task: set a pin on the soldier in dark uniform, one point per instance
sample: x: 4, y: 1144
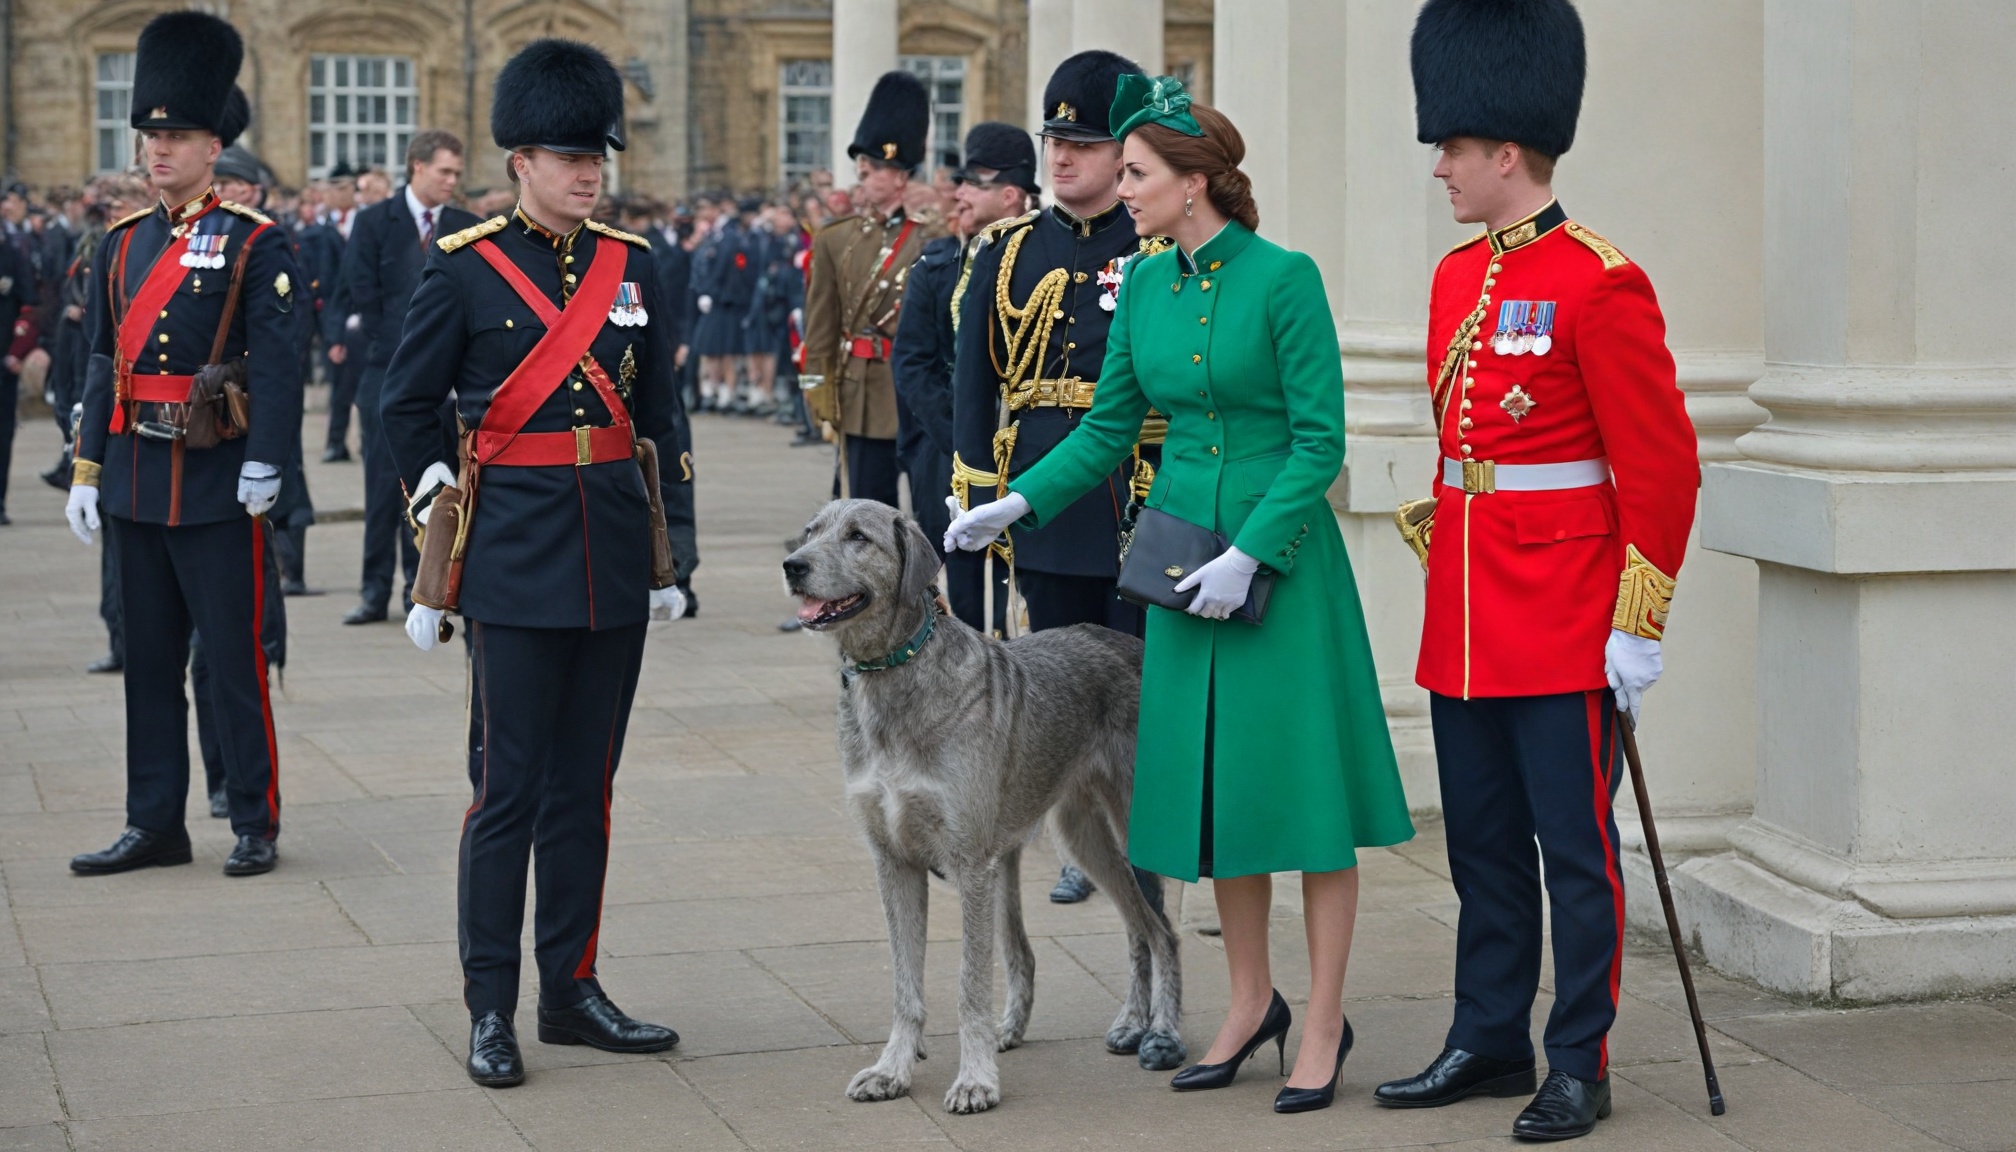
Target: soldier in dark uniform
x: 854, y: 292
x: 724, y: 282
x: 194, y: 281
x: 547, y: 326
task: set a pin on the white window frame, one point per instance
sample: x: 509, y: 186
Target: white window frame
x: 111, y: 113
x: 362, y: 109
x: 948, y: 116
x: 808, y: 81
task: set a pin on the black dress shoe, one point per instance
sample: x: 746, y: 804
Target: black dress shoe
x: 1564, y: 1108
x: 493, y: 1052
x: 336, y: 455
x: 364, y: 614
x: 135, y: 848
x: 1316, y: 1099
x: 253, y: 856
x: 1273, y: 1026
x: 599, y: 1024
x: 219, y: 806
x: 1454, y: 1075
x: 106, y: 663
x: 57, y: 478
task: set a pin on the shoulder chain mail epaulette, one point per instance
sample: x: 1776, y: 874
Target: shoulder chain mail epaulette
x: 253, y: 214
x: 619, y: 234
x: 474, y: 232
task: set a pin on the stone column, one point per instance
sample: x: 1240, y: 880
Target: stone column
x: 864, y: 47
x: 1879, y: 501
x: 1049, y: 43
x: 1132, y: 28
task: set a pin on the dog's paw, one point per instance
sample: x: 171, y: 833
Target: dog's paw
x: 1009, y: 1034
x: 1124, y: 1039
x: 969, y: 1096
x: 1161, y: 1051
x: 877, y: 1083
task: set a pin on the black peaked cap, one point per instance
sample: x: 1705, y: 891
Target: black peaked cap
x: 1079, y: 97
x: 1005, y: 149
x: 1500, y: 70
x: 235, y: 163
x: 560, y: 95
x: 894, y: 125
x: 184, y: 70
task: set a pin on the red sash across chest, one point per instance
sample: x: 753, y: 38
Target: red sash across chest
x: 136, y: 322
x: 500, y: 438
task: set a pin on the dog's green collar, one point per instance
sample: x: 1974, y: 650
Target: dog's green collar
x: 900, y: 656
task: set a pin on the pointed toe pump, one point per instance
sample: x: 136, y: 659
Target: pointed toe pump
x: 1273, y: 1026
x: 1314, y: 1099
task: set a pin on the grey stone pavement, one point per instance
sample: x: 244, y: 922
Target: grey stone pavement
x: 317, y: 1007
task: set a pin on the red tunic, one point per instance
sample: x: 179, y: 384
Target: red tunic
x: 1522, y: 585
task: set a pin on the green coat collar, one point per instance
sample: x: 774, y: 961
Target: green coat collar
x: 1218, y: 251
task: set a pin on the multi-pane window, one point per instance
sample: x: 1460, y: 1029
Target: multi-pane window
x: 805, y: 117
x: 112, y: 93
x: 944, y: 79
x: 362, y: 110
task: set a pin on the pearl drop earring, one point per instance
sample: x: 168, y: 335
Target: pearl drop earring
x: 1187, y: 201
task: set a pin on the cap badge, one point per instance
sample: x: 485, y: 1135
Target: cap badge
x: 159, y: 113
x: 1517, y: 403
x: 888, y: 151
x: 1524, y: 326
x: 1066, y: 112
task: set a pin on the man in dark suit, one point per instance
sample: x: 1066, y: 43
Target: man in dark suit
x: 388, y: 247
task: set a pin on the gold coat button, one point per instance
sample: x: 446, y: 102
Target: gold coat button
x: 579, y: 412
x: 1466, y: 450
x: 1217, y: 264
x: 164, y: 314
x: 1496, y: 267
x: 1214, y: 450
x: 570, y: 278
x: 1203, y: 319
x: 164, y: 337
x: 577, y: 385
x: 1196, y: 358
x: 1057, y: 315
x: 1465, y: 425
x: 1210, y: 415
x: 507, y: 323
x: 1476, y: 346
x: 567, y: 259
x: 1466, y: 404
x: 164, y: 358
x: 1206, y: 285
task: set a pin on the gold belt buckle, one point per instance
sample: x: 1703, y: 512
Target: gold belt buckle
x: 582, y: 455
x: 1480, y: 476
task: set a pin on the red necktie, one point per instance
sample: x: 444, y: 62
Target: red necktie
x: 426, y: 227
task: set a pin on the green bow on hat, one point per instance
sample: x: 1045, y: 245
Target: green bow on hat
x: 1151, y: 100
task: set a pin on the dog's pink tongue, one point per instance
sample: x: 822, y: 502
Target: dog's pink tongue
x: 810, y: 609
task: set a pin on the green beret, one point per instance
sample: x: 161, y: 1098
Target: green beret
x: 1152, y: 100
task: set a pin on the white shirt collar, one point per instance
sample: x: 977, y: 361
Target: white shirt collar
x: 419, y: 210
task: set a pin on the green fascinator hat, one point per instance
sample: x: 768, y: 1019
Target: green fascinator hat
x: 1152, y: 100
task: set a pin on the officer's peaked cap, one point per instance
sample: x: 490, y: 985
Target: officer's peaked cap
x: 1004, y: 149
x: 894, y: 125
x: 236, y: 163
x: 560, y: 95
x: 1079, y: 96
x: 185, y: 69
x: 1500, y: 70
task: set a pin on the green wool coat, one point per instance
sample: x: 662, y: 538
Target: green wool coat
x: 1238, y: 349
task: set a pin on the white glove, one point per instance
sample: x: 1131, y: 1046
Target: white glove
x: 82, y: 510
x: 705, y: 304
x: 423, y: 625
x: 1632, y: 664
x: 436, y: 477
x: 1221, y: 585
x: 258, y: 486
x: 976, y: 529
x: 667, y: 603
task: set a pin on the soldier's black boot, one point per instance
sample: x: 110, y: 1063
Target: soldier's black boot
x: 1564, y: 1108
x: 253, y: 855
x: 1454, y: 1075
x: 135, y: 848
x: 600, y: 1024
x: 493, y: 1052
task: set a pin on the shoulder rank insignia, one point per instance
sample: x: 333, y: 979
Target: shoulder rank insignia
x: 619, y: 234
x: 1467, y: 243
x: 1000, y: 228
x: 133, y: 218
x: 237, y: 209
x: 1608, y: 251
x: 474, y: 232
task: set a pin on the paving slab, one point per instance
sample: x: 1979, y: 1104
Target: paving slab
x: 583, y: 1109
x: 444, y: 1121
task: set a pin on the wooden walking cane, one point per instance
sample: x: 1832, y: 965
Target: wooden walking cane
x: 1626, y: 730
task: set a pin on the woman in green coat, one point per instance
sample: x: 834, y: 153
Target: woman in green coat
x: 1262, y: 749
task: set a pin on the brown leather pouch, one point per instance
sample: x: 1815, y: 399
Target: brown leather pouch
x: 438, y: 583
x: 664, y: 572
x: 219, y: 407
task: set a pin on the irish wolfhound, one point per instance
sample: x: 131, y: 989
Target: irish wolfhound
x: 955, y: 747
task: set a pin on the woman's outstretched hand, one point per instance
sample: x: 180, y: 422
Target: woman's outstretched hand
x: 983, y: 524
x: 1221, y: 585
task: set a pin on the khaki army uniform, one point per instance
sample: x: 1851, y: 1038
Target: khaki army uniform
x: 854, y: 294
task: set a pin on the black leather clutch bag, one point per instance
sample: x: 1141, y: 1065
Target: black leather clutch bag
x: 1160, y: 550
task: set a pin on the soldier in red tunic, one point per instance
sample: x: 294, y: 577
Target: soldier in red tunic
x: 1560, y: 513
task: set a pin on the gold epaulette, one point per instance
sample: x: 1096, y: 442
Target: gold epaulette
x: 1466, y: 243
x: 1150, y: 245
x: 1644, y: 594
x: 142, y: 214
x: 474, y: 232
x: 619, y: 234
x: 965, y: 476
x: 1608, y: 251
x: 237, y: 209
x: 998, y: 228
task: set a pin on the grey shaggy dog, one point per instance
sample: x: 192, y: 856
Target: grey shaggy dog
x: 952, y: 759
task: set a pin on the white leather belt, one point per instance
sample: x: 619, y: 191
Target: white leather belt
x: 1479, y: 476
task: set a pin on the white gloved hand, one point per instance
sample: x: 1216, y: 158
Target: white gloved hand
x: 1221, y: 585
x: 976, y: 529
x: 258, y: 486
x: 423, y: 626
x: 705, y: 304
x: 436, y: 477
x: 82, y: 511
x: 1632, y: 664
x: 667, y: 603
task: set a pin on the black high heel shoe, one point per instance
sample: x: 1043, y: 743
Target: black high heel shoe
x: 1315, y: 1099
x: 1273, y: 1026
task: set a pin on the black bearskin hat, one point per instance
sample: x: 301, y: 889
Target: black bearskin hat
x: 184, y: 71
x: 1500, y: 70
x: 236, y: 118
x: 1004, y: 149
x: 1079, y: 97
x: 895, y: 123
x: 560, y: 95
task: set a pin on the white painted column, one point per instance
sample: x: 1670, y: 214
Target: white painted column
x: 1049, y: 43
x: 1880, y: 503
x: 864, y: 47
x: 1132, y: 28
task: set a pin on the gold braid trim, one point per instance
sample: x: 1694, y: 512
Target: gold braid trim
x: 1644, y: 594
x: 1026, y: 330
x: 85, y: 472
x: 964, y: 476
x: 1416, y: 520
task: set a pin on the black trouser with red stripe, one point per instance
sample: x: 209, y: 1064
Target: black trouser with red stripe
x: 548, y: 707
x: 1512, y: 769
x: 213, y: 578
